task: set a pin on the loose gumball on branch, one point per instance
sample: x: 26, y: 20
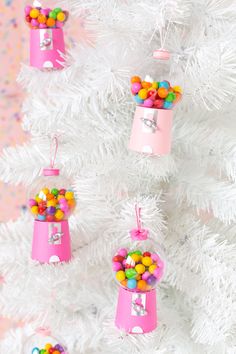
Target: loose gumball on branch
x: 51, y: 202
x: 151, y: 132
x: 46, y: 36
x: 138, y: 269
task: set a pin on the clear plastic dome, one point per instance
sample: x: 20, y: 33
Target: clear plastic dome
x: 138, y: 266
x: 43, y: 343
x: 44, y: 14
x: 51, y: 197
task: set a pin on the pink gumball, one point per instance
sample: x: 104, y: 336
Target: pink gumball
x: 146, y: 275
x: 64, y: 207
x: 45, y: 11
x: 158, y: 273
x: 148, y: 103
x: 32, y: 202
x: 62, y: 201
x: 154, y: 257
x: 135, y: 87
x: 122, y: 252
x: 42, y: 25
x: 28, y: 9
x: 59, y: 24
x: 34, y: 22
x: 116, y: 266
x: 124, y: 262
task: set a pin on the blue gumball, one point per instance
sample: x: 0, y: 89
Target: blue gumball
x: 167, y: 105
x: 35, y: 350
x: 138, y: 100
x: 164, y: 84
x: 131, y: 283
x: 41, y: 217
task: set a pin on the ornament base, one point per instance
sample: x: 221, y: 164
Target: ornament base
x: 51, y: 242
x: 136, y: 311
x: 151, y: 131
x: 45, y: 47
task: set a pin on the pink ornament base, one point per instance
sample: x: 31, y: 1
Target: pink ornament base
x: 151, y: 131
x: 45, y: 47
x: 51, y: 242
x: 136, y: 311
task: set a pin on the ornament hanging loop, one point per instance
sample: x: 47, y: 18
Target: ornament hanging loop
x: 53, y: 151
x: 138, y: 234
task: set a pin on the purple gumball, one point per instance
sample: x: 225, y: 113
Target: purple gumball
x: 51, y: 210
x: 151, y: 280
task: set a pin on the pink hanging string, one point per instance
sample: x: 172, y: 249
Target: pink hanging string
x: 53, y: 154
x: 138, y: 234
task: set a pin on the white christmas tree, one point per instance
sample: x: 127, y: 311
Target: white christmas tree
x: 188, y: 198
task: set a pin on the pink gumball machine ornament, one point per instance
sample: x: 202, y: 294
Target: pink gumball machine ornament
x: 51, y: 202
x: 47, y: 47
x: 152, y: 125
x: 138, y: 270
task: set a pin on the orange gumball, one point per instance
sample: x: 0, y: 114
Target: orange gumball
x: 170, y: 89
x: 146, y: 84
x: 135, y: 79
x: 50, y: 22
x: 142, y: 285
x: 49, y: 196
x: 162, y: 92
x: 124, y: 283
x: 178, y: 97
x: 42, y: 18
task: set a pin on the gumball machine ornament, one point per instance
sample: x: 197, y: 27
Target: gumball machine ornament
x: 138, y: 271
x: 51, y: 204
x: 47, y: 47
x: 42, y: 341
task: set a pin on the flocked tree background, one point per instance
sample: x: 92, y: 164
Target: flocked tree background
x: 188, y: 198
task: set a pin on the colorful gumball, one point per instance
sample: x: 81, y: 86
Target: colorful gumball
x: 162, y: 92
x: 131, y: 284
x: 167, y: 105
x: 142, y: 94
x: 164, y: 84
x: 34, y: 13
x: 146, y: 85
x: 61, y: 17
x: 138, y: 100
x: 50, y: 22
x: 148, y: 103
x: 158, y: 103
x: 135, y: 79
x: 136, y: 87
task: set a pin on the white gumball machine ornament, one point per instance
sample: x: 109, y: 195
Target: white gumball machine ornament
x: 138, y: 270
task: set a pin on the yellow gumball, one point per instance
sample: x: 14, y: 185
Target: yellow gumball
x: 45, y: 191
x: 177, y: 89
x: 60, y: 197
x: 34, y: 209
x: 69, y: 195
x: 140, y: 268
x: 154, y: 85
x: 147, y: 261
x: 135, y: 257
x: 142, y: 94
x: 59, y: 214
x: 152, y: 268
x: 51, y: 202
x: 34, y: 13
x: 38, y: 200
x: 120, y: 275
x: 61, y: 16
x: 48, y: 346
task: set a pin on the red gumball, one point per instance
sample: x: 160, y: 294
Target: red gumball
x: 118, y: 258
x: 147, y: 254
x: 151, y: 94
x: 28, y: 18
x: 51, y: 350
x: 62, y: 191
x: 42, y: 204
x: 158, y: 103
x: 50, y: 218
x: 41, y: 211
